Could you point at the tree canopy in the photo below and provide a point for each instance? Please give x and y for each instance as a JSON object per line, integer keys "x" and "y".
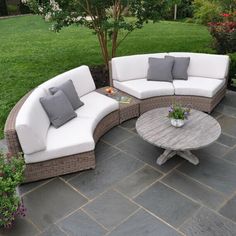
{"x": 105, "y": 17}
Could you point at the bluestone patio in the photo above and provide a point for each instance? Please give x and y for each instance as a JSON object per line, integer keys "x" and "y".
{"x": 128, "y": 194}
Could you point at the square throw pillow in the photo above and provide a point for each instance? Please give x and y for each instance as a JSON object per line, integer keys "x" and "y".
{"x": 160, "y": 69}
{"x": 68, "y": 89}
{"x": 58, "y": 108}
{"x": 180, "y": 68}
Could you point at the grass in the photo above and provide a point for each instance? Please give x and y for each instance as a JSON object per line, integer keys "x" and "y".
{"x": 31, "y": 54}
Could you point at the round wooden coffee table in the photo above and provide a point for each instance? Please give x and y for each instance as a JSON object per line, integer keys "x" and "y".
{"x": 200, "y": 130}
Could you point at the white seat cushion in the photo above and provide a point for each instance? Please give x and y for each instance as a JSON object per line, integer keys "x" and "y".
{"x": 143, "y": 89}
{"x": 80, "y": 76}
{"x": 74, "y": 137}
{"x": 32, "y": 123}
{"x": 96, "y": 106}
{"x": 132, "y": 67}
{"x": 198, "y": 86}
{"x": 206, "y": 65}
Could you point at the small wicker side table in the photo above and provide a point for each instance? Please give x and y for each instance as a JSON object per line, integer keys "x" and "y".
{"x": 127, "y": 110}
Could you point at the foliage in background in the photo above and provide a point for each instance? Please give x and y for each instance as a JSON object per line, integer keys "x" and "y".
{"x": 184, "y": 9}
{"x": 12, "y": 9}
{"x": 105, "y": 18}
{"x": 224, "y": 33}
{"x": 11, "y": 175}
{"x": 232, "y": 70}
{"x": 206, "y": 11}
{"x": 3, "y": 8}
{"x": 228, "y": 5}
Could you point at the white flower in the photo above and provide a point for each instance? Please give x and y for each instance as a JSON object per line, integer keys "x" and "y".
{"x": 52, "y": 28}
{"x": 48, "y": 16}
{"x": 55, "y": 5}
{"x": 24, "y": 1}
{"x": 40, "y": 9}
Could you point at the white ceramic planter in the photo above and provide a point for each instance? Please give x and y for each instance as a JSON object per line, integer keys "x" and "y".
{"x": 177, "y": 122}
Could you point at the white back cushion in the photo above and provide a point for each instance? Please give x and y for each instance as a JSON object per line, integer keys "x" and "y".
{"x": 80, "y": 76}
{"x": 132, "y": 67}
{"x": 32, "y": 123}
{"x": 206, "y": 65}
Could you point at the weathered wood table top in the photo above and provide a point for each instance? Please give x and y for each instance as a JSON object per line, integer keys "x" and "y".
{"x": 200, "y": 130}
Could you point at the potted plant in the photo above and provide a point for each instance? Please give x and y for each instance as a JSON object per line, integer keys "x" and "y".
{"x": 178, "y": 115}
{"x": 11, "y": 175}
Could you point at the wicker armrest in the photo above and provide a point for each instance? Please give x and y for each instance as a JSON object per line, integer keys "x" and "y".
{"x": 10, "y": 134}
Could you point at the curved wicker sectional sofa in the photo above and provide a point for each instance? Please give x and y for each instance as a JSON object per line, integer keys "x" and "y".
{"x": 205, "y": 87}
{"x": 51, "y": 152}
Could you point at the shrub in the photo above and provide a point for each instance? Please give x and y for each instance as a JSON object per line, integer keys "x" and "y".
{"x": 232, "y": 70}
{"x": 224, "y": 33}
{"x": 12, "y": 9}
{"x": 11, "y": 175}
{"x": 206, "y": 11}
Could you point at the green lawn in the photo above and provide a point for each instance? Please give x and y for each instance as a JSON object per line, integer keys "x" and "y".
{"x": 31, "y": 54}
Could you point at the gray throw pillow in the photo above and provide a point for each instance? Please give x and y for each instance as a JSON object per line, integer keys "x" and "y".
{"x": 160, "y": 69}
{"x": 180, "y": 68}
{"x": 68, "y": 89}
{"x": 58, "y": 108}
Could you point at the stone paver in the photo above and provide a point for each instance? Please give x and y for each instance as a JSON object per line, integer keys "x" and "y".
{"x": 231, "y": 156}
{"x": 208, "y": 223}
{"x": 107, "y": 173}
{"x": 136, "y": 182}
{"x": 167, "y": 204}
{"x": 21, "y": 227}
{"x": 227, "y": 140}
{"x": 142, "y": 223}
{"x": 195, "y": 190}
{"x": 229, "y": 209}
{"x": 110, "y": 209}
{"x": 53, "y": 230}
{"x": 147, "y": 153}
{"x": 131, "y": 195}
{"x": 214, "y": 172}
{"x": 79, "y": 223}
{"x": 104, "y": 151}
{"x": 52, "y": 201}
{"x": 228, "y": 125}
{"x": 215, "y": 149}
{"x": 117, "y": 135}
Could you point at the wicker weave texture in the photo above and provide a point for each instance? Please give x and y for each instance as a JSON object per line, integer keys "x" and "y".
{"x": 83, "y": 161}
{"x": 106, "y": 124}
{"x": 195, "y": 102}
{"x": 59, "y": 166}
{"x": 129, "y": 112}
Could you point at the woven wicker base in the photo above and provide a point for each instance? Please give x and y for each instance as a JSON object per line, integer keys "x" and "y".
{"x": 84, "y": 161}
{"x": 59, "y": 166}
{"x": 195, "y": 102}
{"x": 156, "y": 102}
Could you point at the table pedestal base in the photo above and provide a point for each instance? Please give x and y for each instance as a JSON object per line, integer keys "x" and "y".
{"x": 187, "y": 155}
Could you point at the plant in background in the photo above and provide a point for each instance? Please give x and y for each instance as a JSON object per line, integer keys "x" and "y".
{"x": 11, "y": 175}
{"x": 104, "y": 17}
{"x": 177, "y": 112}
{"x": 224, "y": 33}
{"x": 206, "y": 11}
{"x": 232, "y": 71}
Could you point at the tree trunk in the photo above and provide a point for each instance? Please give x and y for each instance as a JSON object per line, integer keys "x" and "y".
{"x": 104, "y": 48}
{"x": 175, "y": 12}
{"x": 3, "y": 8}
